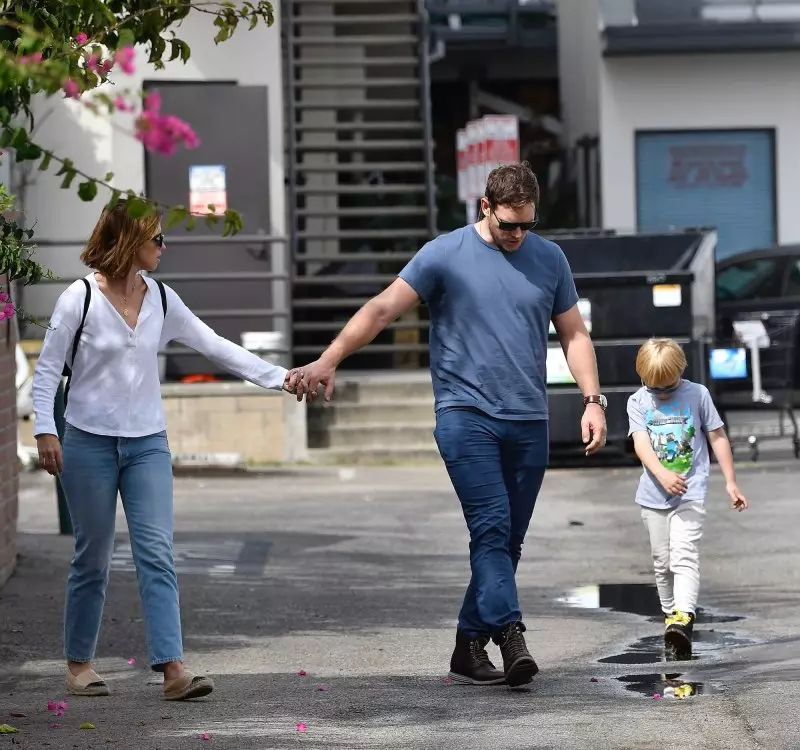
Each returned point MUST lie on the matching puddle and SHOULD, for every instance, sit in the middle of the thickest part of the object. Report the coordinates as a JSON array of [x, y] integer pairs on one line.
[[632, 598], [650, 649], [668, 686]]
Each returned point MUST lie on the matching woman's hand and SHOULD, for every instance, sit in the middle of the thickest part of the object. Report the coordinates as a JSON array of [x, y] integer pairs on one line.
[[49, 453]]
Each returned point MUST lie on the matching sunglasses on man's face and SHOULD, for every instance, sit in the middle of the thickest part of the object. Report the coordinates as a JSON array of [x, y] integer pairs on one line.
[[159, 239], [510, 226]]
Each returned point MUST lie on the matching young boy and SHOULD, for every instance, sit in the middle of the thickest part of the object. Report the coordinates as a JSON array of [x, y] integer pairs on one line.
[[669, 420]]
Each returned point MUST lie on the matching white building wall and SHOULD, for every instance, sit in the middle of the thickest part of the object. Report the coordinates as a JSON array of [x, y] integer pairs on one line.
[[97, 144], [694, 92]]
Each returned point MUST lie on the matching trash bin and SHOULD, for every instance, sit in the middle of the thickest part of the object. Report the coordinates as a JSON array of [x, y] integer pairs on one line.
[[269, 345], [64, 520]]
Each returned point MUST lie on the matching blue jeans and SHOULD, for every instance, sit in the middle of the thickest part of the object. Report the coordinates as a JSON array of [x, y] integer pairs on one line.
[[496, 467], [96, 467]]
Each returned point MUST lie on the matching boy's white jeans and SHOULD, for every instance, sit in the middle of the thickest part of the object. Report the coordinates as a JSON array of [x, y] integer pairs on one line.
[[674, 538]]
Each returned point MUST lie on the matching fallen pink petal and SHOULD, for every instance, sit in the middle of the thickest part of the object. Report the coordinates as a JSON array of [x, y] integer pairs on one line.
[[54, 726], [301, 727], [594, 679], [448, 680], [17, 714], [302, 673], [205, 736], [656, 696], [131, 661], [59, 712], [322, 688], [62, 705], [52, 705]]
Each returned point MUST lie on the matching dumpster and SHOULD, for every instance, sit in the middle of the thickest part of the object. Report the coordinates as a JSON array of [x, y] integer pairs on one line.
[[632, 287]]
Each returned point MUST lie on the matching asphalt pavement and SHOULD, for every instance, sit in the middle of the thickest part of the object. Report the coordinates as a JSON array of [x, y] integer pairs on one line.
[[323, 602]]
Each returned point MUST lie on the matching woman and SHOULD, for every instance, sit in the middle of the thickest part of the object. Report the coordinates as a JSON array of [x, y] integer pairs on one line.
[[115, 438]]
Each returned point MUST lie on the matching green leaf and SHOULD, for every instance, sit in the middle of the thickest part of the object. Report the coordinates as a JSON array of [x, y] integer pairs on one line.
[[126, 38], [138, 207], [67, 165], [7, 729], [175, 216], [5, 137], [87, 725], [19, 138], [28, 152], [44, 165], [69, 177], [115, 198], [87, 191], [191, 223], [211, 220], [109, 176]]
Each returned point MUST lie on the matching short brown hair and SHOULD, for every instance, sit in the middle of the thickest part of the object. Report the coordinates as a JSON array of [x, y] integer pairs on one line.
[[116, 238], [512, 185], [660, 362]]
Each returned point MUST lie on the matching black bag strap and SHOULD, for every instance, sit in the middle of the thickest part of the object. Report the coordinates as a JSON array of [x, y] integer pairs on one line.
[[163, 296], [67, 368]]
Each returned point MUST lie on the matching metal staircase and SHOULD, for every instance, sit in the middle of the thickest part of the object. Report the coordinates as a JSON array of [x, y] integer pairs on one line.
[[360, 165]]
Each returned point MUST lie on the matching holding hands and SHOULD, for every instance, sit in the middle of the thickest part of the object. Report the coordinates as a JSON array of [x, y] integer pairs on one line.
[[306, 380]]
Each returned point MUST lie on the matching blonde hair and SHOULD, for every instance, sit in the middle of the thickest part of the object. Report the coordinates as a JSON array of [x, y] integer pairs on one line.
[[116, 239], [660, 363]]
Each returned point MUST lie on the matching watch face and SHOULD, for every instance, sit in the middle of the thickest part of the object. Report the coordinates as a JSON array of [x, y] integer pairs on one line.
[[603, 401]]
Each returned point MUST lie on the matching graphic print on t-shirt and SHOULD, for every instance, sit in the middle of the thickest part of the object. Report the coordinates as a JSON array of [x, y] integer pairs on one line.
[[671, 430]]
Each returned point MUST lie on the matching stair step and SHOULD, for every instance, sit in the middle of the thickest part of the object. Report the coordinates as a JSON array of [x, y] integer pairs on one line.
[[378, 166], [347, 19], [353, 83], [376, 455], [357, 146], [362, 62], [354, 40], [361, 190], [417, 411], [356, 127], [363, 212], [358, 234], [380, 390], [362, 105]]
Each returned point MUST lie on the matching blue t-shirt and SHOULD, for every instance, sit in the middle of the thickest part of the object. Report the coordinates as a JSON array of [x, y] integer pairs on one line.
[[490, 313]]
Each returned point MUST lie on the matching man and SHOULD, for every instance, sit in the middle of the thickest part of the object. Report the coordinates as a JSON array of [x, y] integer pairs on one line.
[[492, 289]]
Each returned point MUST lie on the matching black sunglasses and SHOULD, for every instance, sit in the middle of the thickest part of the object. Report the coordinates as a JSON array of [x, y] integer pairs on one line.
[[510, 226], [159, 239]]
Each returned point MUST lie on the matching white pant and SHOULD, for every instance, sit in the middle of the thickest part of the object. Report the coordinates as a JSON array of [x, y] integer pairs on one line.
[[674, 538]]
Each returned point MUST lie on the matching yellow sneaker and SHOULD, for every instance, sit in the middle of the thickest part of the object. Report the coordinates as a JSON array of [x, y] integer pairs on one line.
[[678, 632]]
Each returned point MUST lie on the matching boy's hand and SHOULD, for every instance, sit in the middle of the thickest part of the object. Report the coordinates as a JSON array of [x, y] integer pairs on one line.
[[738, 500], [672, 482]]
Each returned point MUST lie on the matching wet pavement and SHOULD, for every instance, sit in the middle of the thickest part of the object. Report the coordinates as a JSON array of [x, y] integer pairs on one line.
[[323, 602]]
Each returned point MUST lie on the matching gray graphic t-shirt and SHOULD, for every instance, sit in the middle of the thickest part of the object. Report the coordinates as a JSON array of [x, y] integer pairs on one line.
[[677, 427]]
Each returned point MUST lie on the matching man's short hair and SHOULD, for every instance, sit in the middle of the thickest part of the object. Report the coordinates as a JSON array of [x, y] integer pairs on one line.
[[660, 363], [513, 185]]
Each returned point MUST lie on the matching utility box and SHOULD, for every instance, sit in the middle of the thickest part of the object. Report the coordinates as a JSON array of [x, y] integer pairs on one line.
[[632, 287]]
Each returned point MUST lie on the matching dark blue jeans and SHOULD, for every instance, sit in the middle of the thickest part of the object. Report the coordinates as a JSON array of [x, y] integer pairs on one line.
[[496, 467]]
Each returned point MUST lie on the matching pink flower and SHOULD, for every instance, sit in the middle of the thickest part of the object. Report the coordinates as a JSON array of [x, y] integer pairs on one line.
[[6, 313], [81, 38], [93, 63], [205, 736], [106, 66], [52, 705], [122, 105], [656, 696], [302, 727], [36, 57], [71, 88], [152, 102], [61, 705], [124, 58]]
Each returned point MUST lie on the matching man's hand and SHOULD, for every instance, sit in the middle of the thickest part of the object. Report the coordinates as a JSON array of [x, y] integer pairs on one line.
[[306, 380], [738, 500], [49, 453], [672, 482], [593, 428]]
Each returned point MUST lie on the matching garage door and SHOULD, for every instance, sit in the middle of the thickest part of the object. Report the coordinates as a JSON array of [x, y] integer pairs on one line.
[[719, 178]]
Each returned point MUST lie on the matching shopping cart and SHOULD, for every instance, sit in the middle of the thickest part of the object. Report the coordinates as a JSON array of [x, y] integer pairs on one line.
[[765, 349]]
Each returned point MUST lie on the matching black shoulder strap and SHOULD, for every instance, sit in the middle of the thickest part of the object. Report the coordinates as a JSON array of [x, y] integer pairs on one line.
[[77, 339], [163, 296]]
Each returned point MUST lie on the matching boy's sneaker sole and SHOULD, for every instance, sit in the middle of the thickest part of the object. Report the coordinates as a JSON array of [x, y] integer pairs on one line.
[[521, 672], [460, 679], [679, 641]]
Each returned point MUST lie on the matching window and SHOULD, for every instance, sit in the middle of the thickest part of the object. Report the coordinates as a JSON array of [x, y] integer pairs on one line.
[[794, 279], [759, 278]]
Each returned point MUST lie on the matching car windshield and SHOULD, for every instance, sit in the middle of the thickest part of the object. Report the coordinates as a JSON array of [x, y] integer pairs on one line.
[[750, 279]]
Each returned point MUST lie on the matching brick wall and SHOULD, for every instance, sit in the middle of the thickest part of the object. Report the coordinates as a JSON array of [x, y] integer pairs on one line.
[[8, 448]]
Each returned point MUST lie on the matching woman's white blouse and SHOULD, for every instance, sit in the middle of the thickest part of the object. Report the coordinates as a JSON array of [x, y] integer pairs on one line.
[[115, 388]]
